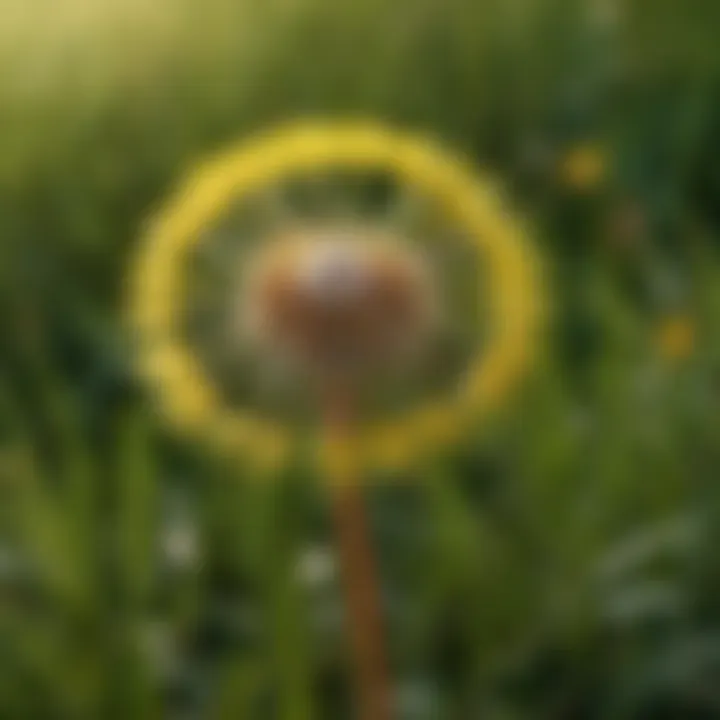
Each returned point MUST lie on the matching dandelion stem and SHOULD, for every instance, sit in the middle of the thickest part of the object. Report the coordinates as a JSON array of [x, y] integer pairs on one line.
[[359, 575]]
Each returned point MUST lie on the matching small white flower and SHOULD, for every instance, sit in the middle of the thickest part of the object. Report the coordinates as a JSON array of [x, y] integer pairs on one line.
[[316, 566], [180, 545]]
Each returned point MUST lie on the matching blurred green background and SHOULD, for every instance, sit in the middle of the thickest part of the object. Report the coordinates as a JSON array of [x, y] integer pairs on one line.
[[562, 566]]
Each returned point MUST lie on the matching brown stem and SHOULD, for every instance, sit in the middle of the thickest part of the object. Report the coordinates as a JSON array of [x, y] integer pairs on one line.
[[359, 575]]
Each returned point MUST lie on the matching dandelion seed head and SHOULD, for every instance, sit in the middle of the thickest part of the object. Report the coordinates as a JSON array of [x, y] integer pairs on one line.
[[339, 300]]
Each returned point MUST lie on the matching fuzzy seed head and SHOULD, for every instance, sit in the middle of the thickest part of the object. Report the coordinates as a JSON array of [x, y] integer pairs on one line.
[[339, 301]]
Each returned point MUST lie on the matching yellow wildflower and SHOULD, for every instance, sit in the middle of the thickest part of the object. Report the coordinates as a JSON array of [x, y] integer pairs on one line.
[[675, 337], [584, 167]]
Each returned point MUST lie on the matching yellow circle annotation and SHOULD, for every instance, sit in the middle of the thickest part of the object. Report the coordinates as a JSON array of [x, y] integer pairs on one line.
[[189, 398]]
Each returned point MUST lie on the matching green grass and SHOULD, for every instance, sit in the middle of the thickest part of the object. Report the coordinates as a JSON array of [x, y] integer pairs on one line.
[[560, 565]]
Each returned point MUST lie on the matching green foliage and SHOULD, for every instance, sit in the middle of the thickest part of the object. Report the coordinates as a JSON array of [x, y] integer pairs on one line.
[[561, 565]]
